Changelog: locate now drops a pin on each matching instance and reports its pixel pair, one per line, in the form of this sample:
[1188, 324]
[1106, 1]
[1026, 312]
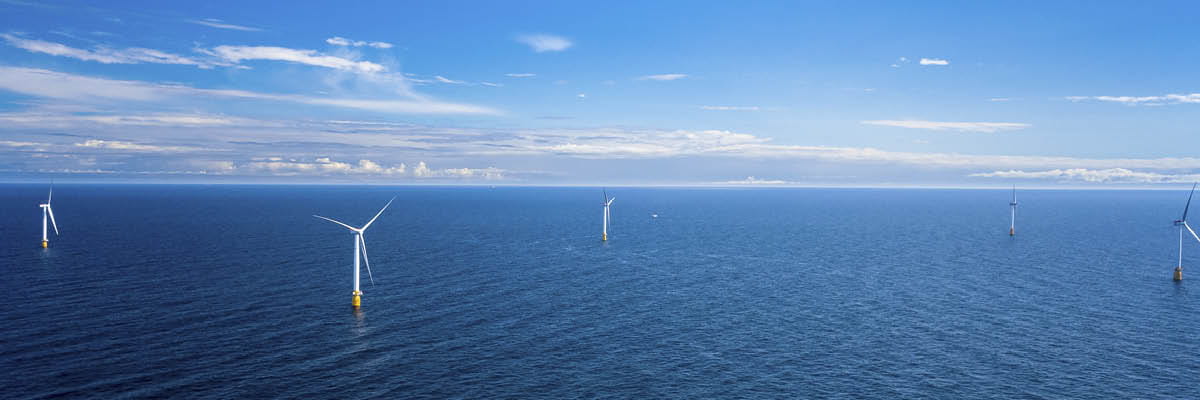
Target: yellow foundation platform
[45, 244]
[1010, 232]
[1178, 274]
[357, 302]
[604, 237]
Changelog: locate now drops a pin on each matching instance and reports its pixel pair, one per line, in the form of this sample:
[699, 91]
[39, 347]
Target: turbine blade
[605, 191]
[362, 242]
[55, 224]
[610, 201]
[51, 194]
[1189, 228]
[1189, 203]
[337, 222]
[385, 206]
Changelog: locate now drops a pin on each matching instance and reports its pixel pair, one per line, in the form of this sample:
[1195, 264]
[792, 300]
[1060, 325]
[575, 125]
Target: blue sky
[766, 93]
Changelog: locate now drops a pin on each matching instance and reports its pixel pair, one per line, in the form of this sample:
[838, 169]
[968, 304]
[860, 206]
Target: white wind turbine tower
[1012, 226]
[46, 210]
[607, 203]
[360, 244]
[1182, 223]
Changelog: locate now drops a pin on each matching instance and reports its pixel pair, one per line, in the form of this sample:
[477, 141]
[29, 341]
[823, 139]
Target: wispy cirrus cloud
[443, 79]
[106, 55]
[1110, 175]
[520, 75]
[662, 77]
[236, 54]
[58, 85]
[934, 61]
[216, 23]
[224, 56]
[984, 127]
[1142, 100]
[341, 41]
[542, 43]
[730, 108]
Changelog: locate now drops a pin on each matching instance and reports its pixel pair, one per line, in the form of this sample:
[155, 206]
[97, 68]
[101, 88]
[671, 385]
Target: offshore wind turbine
[607, 202]
[1182, 223]
[1012, 226]
[360, 244]
[46, 210]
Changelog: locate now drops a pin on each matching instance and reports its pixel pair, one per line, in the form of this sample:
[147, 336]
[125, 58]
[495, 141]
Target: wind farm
[360, 251]
[810, 200]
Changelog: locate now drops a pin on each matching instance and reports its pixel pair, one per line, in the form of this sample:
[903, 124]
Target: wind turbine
[1182, 223]
[607, 202]
[1012, 226]
[46, 210]
[360, 244]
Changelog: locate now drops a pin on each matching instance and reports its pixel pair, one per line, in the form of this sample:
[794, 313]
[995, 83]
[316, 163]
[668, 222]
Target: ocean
[224, 291]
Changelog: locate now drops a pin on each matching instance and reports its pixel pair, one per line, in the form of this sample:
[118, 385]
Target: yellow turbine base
[45, 244]
[604, 237]
[1178, 274]
[357, 299]
[1011, 232]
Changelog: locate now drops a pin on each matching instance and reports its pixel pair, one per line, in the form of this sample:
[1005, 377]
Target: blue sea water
[236, 291]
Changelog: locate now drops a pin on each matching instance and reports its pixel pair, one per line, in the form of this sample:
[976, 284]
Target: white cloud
[999, 99]
[543, 43]
[213, 167]
[387, 106]
[422, 171]
[730, 108]
[10, 143]
[341, 41]
[1143, 100]
[319, 166]
[490, 84]
[216, 23]
[237, 54]
[750, 180]
[45, 83]
[442, 79]
[524, 75]
[119, 145]
[133, 55]
[934, 61]
[986, 127]
[662, 77]
[581, 95]
[1110, 175]
[172, 120]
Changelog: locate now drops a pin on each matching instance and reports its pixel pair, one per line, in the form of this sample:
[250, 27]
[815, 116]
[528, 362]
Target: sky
[789, 93]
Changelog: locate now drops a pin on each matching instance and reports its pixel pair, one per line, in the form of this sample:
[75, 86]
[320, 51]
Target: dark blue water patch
[236, 291]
